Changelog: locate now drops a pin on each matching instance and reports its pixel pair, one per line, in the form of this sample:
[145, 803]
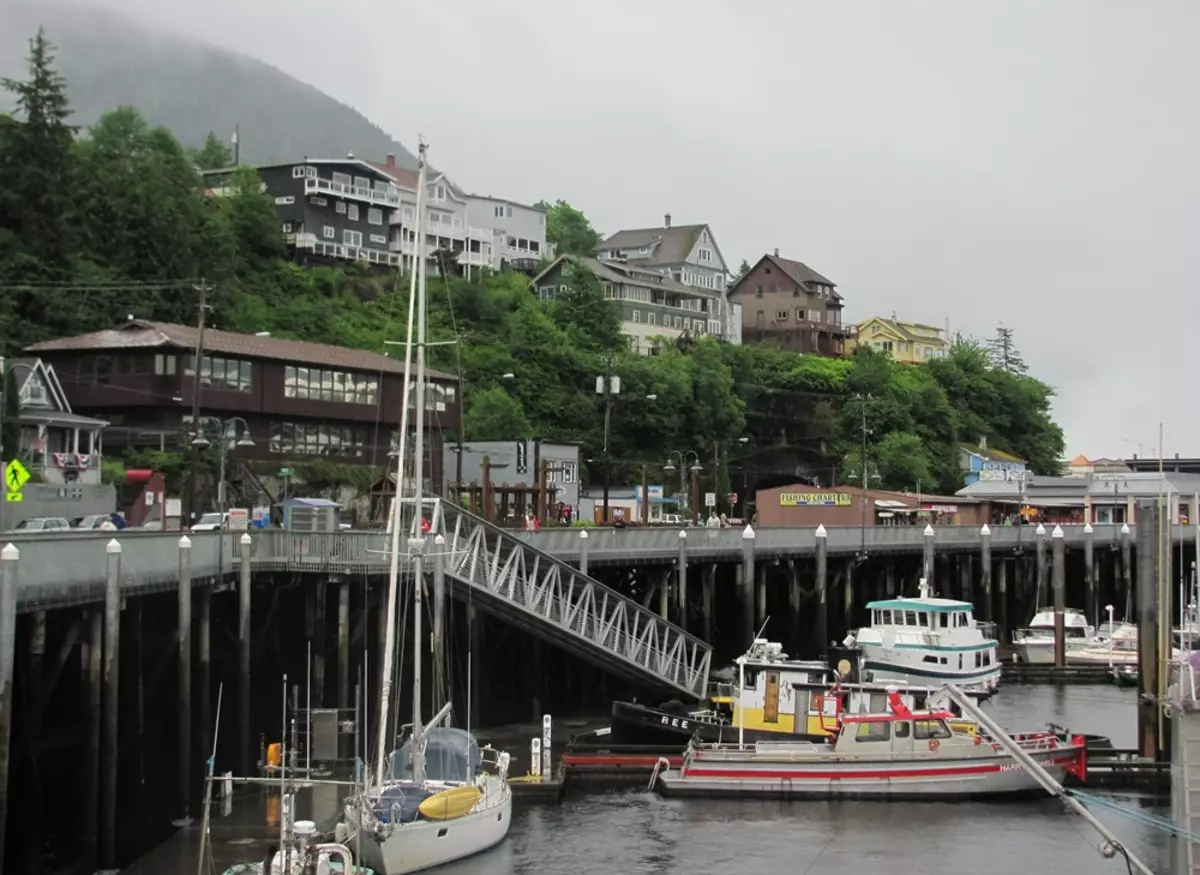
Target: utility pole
[608, 385]
[202, 288]
[458, 476]
[237, 146]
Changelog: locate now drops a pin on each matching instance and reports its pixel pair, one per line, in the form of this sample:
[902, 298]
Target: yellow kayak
[451, 803]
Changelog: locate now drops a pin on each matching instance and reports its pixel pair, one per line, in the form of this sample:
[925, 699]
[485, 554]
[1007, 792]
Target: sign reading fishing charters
[814, 499]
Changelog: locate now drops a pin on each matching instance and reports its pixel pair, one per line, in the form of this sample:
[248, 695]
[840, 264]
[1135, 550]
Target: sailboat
[439, 797]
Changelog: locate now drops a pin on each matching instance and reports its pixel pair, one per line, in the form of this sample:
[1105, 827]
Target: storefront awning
[889, 503]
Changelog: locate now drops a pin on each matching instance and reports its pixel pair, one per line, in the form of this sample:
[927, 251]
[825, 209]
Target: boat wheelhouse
[927, 640]
[1035, 643]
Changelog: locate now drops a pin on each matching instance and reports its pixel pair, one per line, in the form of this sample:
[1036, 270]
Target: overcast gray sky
[1023, 162]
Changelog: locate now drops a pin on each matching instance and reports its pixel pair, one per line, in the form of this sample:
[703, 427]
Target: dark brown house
[789, 304]
[299, 400]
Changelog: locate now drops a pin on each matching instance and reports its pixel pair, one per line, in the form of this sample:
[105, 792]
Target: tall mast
[419, 401]
[389, 645]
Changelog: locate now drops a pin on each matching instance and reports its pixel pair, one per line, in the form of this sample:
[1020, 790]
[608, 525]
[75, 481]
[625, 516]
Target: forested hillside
[188, 86]
[114, 222]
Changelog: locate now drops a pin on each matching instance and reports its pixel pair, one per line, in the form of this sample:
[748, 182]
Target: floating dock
[1043, 673]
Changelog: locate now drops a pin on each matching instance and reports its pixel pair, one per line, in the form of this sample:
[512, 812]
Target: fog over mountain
[189, 86]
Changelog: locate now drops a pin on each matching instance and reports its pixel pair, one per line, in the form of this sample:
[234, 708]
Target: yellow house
[907, 342]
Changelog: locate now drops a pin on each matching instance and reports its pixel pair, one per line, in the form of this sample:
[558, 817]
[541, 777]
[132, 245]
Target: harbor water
[632, 831]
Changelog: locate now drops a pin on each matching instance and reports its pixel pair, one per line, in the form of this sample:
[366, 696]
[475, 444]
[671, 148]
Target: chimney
[776, 251]
[667, 220]
[983, 442]
[391, 160]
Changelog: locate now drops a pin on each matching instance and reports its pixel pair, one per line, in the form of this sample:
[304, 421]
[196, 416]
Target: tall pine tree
[1003, 354]
[35, 168]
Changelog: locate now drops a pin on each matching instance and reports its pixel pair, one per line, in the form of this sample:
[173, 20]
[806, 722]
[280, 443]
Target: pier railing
[64, 568]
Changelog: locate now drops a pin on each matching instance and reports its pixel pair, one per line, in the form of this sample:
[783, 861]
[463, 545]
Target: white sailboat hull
[426, 844]
[1040, 651]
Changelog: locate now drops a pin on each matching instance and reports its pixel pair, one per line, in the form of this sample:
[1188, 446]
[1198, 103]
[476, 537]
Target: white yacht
[1035, 643]
[1119, 649]
[927, 640]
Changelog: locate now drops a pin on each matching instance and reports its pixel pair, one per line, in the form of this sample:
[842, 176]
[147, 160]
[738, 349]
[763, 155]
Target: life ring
[933, 744]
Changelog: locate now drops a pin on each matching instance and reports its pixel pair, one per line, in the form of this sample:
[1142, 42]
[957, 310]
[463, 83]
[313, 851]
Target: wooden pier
[1043, 673]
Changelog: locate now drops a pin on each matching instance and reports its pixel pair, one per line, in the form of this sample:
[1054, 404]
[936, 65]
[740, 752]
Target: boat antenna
[762, 629]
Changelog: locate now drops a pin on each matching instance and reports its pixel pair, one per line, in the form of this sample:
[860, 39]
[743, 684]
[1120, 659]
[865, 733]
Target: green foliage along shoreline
[113, 221]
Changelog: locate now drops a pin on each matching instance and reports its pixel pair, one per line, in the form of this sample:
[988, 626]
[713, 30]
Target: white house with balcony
[519, 230]
[60, 446]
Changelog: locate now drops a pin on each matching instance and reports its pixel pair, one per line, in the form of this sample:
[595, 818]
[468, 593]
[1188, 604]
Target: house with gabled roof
[687, 254]
[787, 303]
[55, 442]
[906, 342]
[979, 462]
[653, 306]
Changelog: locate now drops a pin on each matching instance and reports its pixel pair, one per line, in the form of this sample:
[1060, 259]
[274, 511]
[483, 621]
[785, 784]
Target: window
[221, 373]
[437, 396]
[758, 291]
[678, 323]
[287, 227]
[637, 316]
[508, 212]
[978, 659]
[498, 212]
[930, 659]
[352, 238]
[319, 384]
[760, 319]
[923, 729]
[651, 319]
[944, 620]
[285, 200]
[568, 472]
[319, 438]
[795, 291]
[875, 730]
[352, 212]
[328, 232]
[704, 254]
[298, 171]
[318, 201]
[781, 316]
[341, 178]
[375, 216]
[341, 207]
[379, 238]
[903, 728]
[362, 182]
[910, 618]
[164, 365]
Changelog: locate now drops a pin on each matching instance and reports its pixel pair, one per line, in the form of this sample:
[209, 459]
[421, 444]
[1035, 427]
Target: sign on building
[710, 499]
[239, 519]
[814, 499]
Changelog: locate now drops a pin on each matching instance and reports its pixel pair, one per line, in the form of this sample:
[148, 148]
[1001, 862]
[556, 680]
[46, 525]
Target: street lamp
[695, 469]
[227, 432]
[867, 476]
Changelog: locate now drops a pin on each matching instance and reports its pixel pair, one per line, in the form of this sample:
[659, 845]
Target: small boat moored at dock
[897, 753]
[1035, 643]
[928, 640]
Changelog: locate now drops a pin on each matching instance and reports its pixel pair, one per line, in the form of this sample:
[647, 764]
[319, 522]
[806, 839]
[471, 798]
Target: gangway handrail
[1053, 787]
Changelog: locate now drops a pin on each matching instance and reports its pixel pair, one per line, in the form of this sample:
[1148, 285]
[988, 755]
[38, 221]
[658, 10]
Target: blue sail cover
[450, 755]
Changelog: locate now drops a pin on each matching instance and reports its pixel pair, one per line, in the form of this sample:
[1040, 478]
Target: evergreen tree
[35, 169]
[1003, 353]
[743, 269]
[213, 155]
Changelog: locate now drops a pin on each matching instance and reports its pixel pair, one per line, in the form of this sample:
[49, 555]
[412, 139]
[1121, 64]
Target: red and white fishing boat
[896, 754]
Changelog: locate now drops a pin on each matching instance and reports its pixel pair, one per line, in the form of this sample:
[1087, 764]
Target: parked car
[42, 524]
[211, 522]
[93, 521]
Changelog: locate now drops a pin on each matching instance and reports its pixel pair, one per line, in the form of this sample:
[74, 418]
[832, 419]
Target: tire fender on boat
[934, 744]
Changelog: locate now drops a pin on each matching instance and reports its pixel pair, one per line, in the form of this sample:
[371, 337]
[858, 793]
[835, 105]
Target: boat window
[877, 703]
[751, 678]
[902, 728]
[987, 658]
[979, 659]
[875, 618]
[923, 729]
[932, 659]
[875, 730]
[925, 624]
[944, 620]
[910, 618]
[943, 660]
[887, 618]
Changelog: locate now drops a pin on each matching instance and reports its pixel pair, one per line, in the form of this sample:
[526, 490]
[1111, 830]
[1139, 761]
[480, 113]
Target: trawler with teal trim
[927, 640]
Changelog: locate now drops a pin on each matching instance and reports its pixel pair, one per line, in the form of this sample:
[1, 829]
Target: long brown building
[299, 400]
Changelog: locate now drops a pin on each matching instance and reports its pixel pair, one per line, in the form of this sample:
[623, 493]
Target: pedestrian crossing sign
[14, 496]
[16, 476]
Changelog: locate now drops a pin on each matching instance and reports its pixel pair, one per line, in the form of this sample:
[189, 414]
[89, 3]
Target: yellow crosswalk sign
[16, 476]
[14, 496]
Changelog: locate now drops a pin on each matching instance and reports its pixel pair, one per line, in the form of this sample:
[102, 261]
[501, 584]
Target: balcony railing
[324, 248]
[314, 185]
